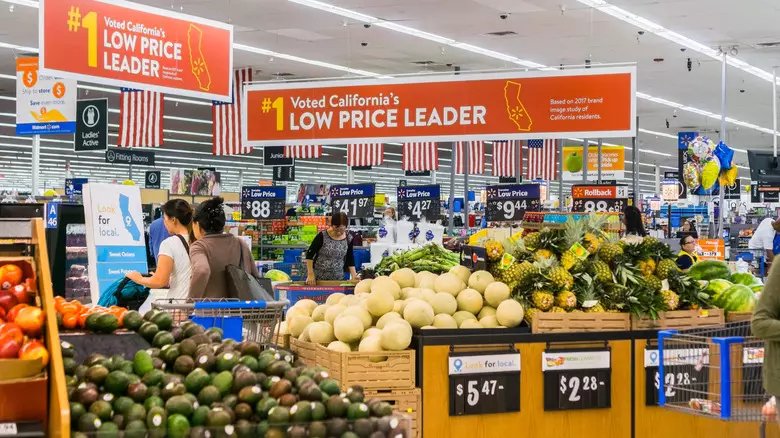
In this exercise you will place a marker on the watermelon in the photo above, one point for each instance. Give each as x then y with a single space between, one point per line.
709 270
757 288
717 287
737 298
745 278
277 275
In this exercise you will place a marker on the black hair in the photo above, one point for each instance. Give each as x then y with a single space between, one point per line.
634 223
210 216
682 239
179 209
339 219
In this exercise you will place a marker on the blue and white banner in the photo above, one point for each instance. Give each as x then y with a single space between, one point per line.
44 104
115 234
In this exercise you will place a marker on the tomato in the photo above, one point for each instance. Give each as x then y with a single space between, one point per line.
11 331
21 293
30 320
68 308
10 276
11 315
83 318
70 320
120 315
34 350
7 300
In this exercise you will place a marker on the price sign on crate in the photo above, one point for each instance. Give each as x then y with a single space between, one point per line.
752 377
484 383
263 203
510 202
577 379
685 371
418 202
355 200
599 198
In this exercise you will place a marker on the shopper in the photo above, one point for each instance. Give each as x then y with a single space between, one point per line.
173 263
157 233
389 214
766 326
766 237
635 228
687 256
330 254
213 251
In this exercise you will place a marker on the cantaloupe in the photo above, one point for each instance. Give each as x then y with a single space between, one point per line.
427 294
339 346
425 280
373 331
298 324
333 312
281 329
462 272
443 320
349 301
443 302
450 283
427 327
293 311
305 335
470 324
364 286
319 313
307 305
321 333
386 318
348 328
398 306
360 313
510 313
405 277
372 344
462 315
386 284
395 337
334 298
480 280
380 302
470 300
496 292
486 311
489 321
418 313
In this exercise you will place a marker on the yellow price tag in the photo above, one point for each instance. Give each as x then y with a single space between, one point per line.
236 215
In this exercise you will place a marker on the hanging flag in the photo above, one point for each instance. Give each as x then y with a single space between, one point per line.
140 118
365 154
421 156
303 151
505 154
476 157
226 119
542 155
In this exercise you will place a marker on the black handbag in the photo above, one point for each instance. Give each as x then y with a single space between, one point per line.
245 286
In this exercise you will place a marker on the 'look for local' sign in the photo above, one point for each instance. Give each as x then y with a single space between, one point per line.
587 103
132 45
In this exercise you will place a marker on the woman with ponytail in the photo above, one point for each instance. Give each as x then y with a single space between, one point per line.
213 251
173 261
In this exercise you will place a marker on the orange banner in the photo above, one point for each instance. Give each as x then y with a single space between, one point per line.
517 105
131 45
712 249
599 192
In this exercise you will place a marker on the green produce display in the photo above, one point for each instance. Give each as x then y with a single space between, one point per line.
201 386
737 298
431 258
709 270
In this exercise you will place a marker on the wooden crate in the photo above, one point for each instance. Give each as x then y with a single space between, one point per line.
282 341
579 322
404 401
680 319
738 316
397 371
304 350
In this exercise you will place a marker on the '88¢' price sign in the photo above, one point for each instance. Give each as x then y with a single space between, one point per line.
263 203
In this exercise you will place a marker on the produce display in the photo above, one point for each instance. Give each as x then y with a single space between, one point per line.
384 310
432 258
277 275
72 315
580 268
192 384
735 292
21 319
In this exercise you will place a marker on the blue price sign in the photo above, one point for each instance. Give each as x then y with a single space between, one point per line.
356 200
417 202
510 202
263 203
52 214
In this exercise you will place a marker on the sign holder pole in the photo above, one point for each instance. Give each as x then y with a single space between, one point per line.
561 203
433 177
130 171
36 163
722 191
598 160
466 164
585 158
657 179
350 174
451 227
774 110
240 177
635 165
518 162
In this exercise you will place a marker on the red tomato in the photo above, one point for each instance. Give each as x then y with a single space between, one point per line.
30 320
11 331
11 315
7 300
70 320
10 276
21 293
33 350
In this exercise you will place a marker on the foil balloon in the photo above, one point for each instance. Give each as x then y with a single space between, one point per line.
709 172
691 175
725 154
701 147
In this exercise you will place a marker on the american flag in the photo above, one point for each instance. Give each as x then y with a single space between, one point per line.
365 154
505 154
541 159
421 156
476 157
226 119
140 118
303 151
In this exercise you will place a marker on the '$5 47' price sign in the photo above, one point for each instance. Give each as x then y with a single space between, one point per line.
484 383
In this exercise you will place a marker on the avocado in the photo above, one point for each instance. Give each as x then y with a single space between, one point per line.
135 429
156 421
183 365
136 412
85 396
186 323
153 401
153 351
264 405
137 391
349 434
116 361
148 330
381 409
164 320
230 401
240 368
265 359
243 379
318 411
269 382
291 374
208 395
356 411
107 397
119 420
91 323
132 320
178 333
204 340
277 368
363 427
193 330
108 429
336 406
215 334
172 378
279 415
330 387
250 394
203 348
218 417
169 353
337 426
320 375
297 431
226 361
162 338
280 388
206 361
355 394
80 371
250 348
89 423
70 365
250 362
310 392
153 378
94 359
196 380
122 404
244 411
127 368
116 382
301 412
178 425
288 400
200 415
97 374
317 429
106 323
172 389
159 364
153 391
179 404
76 411
67 349
244 428
71 381
262 428
188 347
223 381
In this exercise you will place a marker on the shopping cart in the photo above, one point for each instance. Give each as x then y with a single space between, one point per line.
239 320
714 372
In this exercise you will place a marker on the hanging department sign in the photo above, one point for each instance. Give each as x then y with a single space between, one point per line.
613 162
355 200
601 199
130 156
91 125
44 104
132 45
509 203
518 105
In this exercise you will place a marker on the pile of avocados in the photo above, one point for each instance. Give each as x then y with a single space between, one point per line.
191 383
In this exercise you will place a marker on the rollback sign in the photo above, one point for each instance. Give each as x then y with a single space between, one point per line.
601 199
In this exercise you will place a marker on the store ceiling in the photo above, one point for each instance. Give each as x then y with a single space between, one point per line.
538 31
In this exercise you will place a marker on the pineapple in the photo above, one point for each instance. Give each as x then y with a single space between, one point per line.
542 300
569 260
598 308
557 309
524 270
591 242
601 271
609 251
664 268
576 311
671 299
494 250
653 283
542 254
531 240
646 266
566 300
560 278
529 315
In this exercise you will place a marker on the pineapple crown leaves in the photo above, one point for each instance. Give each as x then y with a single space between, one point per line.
545 264
625 272
574 232
690 291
